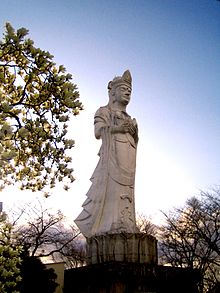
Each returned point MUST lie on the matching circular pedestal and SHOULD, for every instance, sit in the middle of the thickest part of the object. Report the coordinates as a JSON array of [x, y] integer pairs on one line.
[[123, 247]]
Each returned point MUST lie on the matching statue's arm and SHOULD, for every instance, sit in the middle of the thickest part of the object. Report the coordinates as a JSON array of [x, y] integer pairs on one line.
[[103, 121], [101, 124]]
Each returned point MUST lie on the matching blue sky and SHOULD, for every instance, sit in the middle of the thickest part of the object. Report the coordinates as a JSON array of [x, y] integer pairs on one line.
[[172, 48]]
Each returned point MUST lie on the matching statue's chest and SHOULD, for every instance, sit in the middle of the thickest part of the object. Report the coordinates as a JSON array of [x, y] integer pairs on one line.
[[118, 118]]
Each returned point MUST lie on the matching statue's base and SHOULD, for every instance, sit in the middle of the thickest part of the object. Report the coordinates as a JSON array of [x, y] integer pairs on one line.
[[127, 263], [123, 247], [117, 277]]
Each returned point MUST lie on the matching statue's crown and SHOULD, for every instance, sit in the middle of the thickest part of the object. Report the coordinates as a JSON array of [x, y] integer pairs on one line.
[[124, 79]]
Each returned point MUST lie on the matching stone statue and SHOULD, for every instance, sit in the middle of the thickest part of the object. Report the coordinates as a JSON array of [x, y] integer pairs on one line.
[[110, 207]]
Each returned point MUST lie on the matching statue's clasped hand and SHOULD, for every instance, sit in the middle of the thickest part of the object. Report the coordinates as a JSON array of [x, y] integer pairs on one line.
[[129, 127]]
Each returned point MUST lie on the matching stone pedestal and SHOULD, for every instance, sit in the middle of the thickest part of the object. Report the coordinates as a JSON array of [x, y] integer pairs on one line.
[[123, 247], [117, 277]]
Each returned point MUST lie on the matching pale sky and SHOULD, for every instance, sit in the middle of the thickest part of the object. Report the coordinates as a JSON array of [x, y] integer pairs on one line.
[[172, 48]]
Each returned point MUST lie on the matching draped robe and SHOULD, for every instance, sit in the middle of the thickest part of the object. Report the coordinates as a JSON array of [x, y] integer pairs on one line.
[[109, 207]]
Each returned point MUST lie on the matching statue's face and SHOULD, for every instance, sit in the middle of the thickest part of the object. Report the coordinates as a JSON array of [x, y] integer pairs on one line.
[[123, 94]]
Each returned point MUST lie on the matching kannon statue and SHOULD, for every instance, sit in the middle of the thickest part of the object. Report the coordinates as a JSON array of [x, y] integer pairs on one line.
[[110, 206]]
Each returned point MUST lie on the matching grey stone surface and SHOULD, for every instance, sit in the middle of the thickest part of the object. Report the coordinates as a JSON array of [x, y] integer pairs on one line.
[[123, 247], [110, 206], [121, 277]]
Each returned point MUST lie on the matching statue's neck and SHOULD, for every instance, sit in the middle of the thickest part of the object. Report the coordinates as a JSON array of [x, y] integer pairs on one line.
[[118, 107]]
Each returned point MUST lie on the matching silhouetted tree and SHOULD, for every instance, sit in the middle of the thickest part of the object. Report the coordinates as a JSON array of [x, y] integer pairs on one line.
[[35, 276], [46, 233], [191, 237], [146, 225]]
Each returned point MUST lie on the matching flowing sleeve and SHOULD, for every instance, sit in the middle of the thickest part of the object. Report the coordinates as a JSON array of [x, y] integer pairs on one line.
[[101, 121]]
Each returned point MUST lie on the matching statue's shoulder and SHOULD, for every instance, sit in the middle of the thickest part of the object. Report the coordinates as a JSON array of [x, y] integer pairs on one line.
[[103, 111]]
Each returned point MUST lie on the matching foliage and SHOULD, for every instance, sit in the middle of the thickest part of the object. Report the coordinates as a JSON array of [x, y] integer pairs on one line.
[[9, 258], [37, 99], [35, 276], [191, 237]]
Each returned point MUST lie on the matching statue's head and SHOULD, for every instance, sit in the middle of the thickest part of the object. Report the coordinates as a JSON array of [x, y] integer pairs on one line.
[[120, 88]]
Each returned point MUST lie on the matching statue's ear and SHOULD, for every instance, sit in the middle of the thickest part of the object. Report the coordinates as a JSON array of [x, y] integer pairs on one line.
[[109, 85], [112, 91]]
